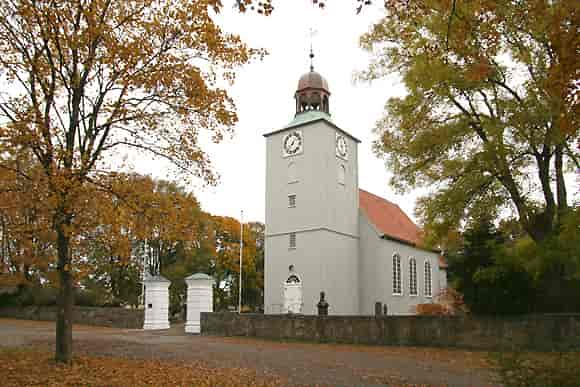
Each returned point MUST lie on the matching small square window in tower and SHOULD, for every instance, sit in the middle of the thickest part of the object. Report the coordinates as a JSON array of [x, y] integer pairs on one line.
[[291, 201], [341, 174], [292, 241]]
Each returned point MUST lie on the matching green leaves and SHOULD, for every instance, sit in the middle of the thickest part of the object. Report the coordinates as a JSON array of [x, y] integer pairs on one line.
[[482, 122]]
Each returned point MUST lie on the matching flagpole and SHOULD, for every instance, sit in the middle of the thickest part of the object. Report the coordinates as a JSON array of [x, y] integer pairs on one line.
[[241, 249]]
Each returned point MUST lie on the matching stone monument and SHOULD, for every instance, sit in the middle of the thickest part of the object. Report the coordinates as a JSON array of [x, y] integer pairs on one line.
[[322, 305]]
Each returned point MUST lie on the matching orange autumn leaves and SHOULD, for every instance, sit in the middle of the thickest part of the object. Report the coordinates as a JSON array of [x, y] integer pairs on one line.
[[24, 367], [90, 82], [113, 221], [90, 78], [25, 223]]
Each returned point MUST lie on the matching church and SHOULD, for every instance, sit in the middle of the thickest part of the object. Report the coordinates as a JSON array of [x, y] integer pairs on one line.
[[325, 234]]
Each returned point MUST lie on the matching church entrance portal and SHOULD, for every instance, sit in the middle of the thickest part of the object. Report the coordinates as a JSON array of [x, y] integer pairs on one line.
[[292, 293]]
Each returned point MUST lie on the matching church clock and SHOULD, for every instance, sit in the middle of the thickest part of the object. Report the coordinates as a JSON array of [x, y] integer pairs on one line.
[[292, 143], [341, 147]]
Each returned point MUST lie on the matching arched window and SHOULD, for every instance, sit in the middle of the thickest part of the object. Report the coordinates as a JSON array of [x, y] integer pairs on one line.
[[293, 279], [413, 276], [341, 174], [292, 174], [397, 282], [428, 290]]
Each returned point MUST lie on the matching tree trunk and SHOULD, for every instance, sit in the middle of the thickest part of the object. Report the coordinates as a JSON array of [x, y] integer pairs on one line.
[[544, 220], [561, 194], [65, 296]]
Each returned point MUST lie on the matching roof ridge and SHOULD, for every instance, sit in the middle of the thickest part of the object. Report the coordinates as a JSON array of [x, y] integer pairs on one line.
[[382, 198], [388, 217]]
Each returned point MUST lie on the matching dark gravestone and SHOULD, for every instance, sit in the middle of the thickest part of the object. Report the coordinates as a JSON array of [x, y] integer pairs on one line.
[[378, 308], [385, 310], [322, 306]]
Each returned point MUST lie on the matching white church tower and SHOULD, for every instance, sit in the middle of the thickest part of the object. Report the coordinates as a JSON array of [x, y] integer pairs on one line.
[[312, 202]]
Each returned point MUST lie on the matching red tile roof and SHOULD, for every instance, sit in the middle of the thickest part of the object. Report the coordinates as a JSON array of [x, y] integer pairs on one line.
[[391, 221], [388, 218]]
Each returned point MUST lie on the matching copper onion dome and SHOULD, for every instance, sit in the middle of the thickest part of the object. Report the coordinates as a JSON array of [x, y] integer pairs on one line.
[[312, 80], [312, 93]]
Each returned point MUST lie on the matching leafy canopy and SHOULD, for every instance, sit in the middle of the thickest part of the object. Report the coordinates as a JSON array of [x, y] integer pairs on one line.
[[89, 79], [490, 120], [90, 76]]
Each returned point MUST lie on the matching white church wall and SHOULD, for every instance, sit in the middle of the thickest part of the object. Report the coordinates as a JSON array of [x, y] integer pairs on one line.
[[376, 273], [325, 261]]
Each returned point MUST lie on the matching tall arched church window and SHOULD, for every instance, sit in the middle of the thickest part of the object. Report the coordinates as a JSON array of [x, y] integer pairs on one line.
[[397, 280], [341, 174], [292, 173], [413, 276], [428, 287]]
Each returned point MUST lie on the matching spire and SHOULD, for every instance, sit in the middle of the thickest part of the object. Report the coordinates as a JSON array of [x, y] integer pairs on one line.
[[312, 33], [312, 93]]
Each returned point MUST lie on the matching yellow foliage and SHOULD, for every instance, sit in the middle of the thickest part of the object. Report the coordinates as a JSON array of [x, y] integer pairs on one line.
[[88, 80]]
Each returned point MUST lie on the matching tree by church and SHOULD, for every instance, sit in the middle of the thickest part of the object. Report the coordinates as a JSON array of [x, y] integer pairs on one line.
[[490, 119], [89, 80], [489, 126], [489, 284], [500, 270]]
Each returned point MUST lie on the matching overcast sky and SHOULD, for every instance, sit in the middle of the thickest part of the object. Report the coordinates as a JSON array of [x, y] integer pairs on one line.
[[264, 94]]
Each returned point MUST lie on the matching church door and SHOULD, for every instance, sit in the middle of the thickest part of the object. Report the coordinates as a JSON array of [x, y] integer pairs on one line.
[[292, 295]]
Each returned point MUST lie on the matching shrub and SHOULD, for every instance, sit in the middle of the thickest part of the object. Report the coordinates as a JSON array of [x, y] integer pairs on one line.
[[86, 298], [431, 310], [33, 295], [44, 296], [449, 303]]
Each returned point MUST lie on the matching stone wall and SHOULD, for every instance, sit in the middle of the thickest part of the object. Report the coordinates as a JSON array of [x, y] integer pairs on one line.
[[104, 317], [537, 332]]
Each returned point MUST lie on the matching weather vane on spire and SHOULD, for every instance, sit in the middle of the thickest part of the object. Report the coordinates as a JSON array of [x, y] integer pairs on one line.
[[313, 32]]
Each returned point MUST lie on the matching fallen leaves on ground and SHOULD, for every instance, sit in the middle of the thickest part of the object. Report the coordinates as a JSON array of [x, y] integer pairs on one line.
[[20, 367], [454, 358]]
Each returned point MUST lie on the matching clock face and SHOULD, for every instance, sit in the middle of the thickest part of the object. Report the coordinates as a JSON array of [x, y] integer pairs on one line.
[[341, 147], [292, 143]]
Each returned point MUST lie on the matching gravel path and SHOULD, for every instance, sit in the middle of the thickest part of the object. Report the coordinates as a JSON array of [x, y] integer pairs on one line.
[[298, 363]]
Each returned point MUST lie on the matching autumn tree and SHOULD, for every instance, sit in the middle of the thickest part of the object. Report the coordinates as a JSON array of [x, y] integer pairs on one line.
[[253, 276], [490, 119], [226, 260], [88, 79], [139, 219], [26, 241]]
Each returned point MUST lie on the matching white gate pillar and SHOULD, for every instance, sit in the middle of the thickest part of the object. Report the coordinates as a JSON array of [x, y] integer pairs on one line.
[[156, 302], [199, 299]]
